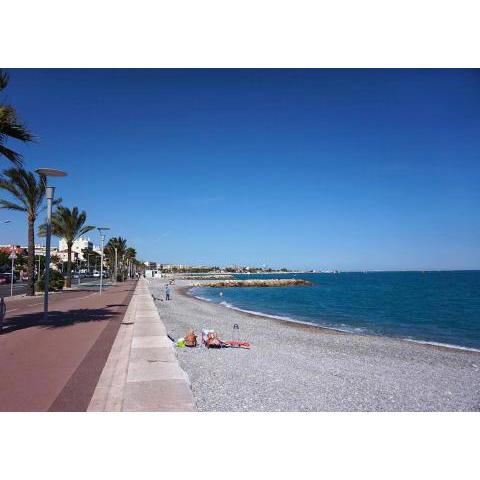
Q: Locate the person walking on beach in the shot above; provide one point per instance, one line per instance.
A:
(167, 292)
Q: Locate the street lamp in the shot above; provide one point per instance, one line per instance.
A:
(13, 256)
(79, 268)
(49, 193)
(102, 238)
(116, 255)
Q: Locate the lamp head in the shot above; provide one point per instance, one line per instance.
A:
(51, 172)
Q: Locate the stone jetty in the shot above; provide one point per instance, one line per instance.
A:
(273, 282)
(205, 277)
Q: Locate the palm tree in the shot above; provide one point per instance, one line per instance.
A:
(29, 192)
(70, 225)
(118, 243)
(10, 127)
(130, 254)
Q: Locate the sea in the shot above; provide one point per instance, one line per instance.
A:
(439, 307)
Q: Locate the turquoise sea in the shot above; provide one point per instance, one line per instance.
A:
(433, 307)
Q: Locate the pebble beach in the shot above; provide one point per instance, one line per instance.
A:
(298, 367)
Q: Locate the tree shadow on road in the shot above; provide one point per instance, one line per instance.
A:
(58, 319)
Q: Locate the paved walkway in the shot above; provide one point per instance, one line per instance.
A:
(56, 365)
(142, 372)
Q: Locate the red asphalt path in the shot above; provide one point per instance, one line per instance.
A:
(56, 366)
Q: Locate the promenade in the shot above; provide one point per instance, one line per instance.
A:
(62, 364)
(56, 366)
(142, 372)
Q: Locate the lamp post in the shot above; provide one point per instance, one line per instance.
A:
(102, 239)
(49, 193)
(13, 256)
(116, 254)
(39, 269)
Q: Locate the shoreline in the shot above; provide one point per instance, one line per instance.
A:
(186, 290)
(294, 366)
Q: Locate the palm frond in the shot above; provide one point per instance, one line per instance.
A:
(3, 79)
(14, 157)
(25, 188)
(7, 185)
(86, 229)
(10, 126)
(42, 230)
(69, 223)
(12, 206)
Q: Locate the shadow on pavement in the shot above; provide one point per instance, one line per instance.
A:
(57, 319)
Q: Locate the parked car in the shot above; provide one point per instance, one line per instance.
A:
(76, 275)
(6, 277)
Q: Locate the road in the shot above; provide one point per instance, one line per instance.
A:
(55, 366)
(19, 288)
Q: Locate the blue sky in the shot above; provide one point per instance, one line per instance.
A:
(347, 169)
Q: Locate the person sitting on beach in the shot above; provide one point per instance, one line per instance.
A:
(167, 292)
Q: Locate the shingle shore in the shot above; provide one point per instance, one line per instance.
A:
(300, 368)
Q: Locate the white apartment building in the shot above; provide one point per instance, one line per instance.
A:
(41, 250)
(77, 247)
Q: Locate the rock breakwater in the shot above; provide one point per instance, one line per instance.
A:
(273, 282)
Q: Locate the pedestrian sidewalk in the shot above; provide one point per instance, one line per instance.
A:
(142, 372)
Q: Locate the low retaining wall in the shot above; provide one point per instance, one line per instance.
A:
(142, 372)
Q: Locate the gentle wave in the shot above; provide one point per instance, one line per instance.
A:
(253, 312)
(343, 329)
(261, 314)
(446, 345)
(203, 298)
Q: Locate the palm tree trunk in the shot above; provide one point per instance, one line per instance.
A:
(68, 278)
(31, 257)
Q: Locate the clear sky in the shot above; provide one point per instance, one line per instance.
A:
(347, 169)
